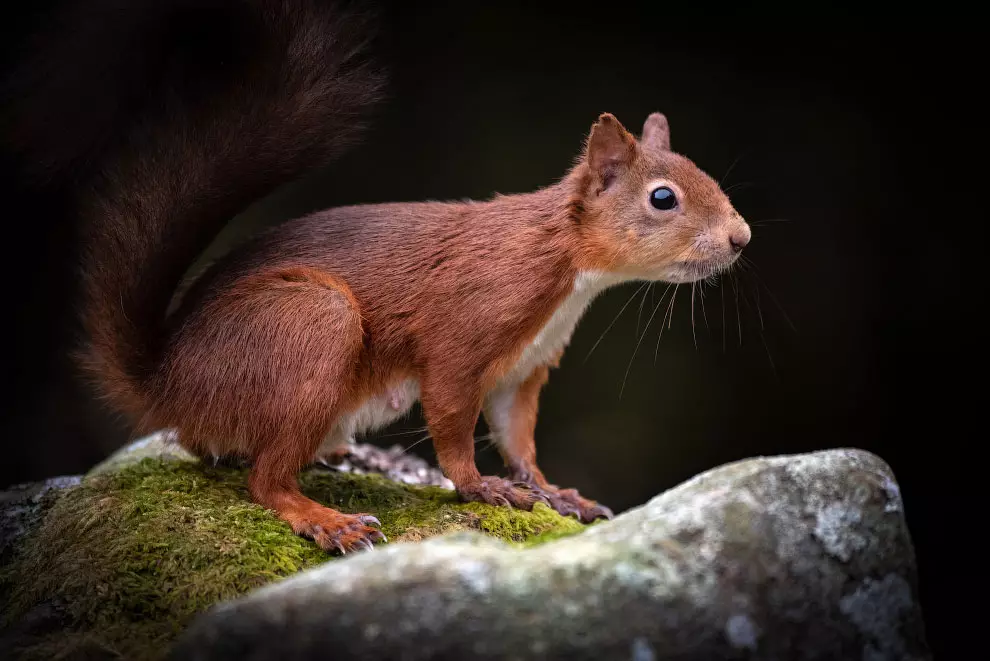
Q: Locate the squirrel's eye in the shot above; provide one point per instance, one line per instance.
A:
(663, 198)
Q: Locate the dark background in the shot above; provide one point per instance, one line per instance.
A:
(851, 151)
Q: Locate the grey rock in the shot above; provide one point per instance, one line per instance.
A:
(394, 463)
(22, 506)
(791, 557)
(159, 445)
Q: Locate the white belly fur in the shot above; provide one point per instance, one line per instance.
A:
(385, 408)
(374, 413)
(556, 333)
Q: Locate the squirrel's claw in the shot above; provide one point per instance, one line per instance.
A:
(567, 502)
(500, 492)
(598, 511)
(369, 520)
(340, 533)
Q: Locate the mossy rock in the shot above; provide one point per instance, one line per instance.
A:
(123, 560)
(802, 557)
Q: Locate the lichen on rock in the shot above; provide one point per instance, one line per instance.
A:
(151, 537)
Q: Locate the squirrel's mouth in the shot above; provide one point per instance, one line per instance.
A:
(683, 272)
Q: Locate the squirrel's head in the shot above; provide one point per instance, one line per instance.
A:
(652, 213)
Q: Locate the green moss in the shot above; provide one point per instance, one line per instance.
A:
(130, 556)
(527, 528)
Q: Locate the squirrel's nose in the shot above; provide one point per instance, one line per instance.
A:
(739, 238)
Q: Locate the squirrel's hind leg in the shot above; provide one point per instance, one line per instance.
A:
(317, 325)
(271, 360)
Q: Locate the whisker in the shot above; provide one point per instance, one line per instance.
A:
(602, 336)
(759, 311)
(670, 313)
(763, 338)
(417, 443)
(673, 298)
(489, 437)
(491, 443)
(642, 302)
(648, 322)
(704, 314)
(735, 290)
(727, 172)
(761, 281)
(773, 367)
(419, 430)
(693, 336)
(741, 183)
(722, 289)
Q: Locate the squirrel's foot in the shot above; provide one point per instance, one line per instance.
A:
(502, 492)
(569, 501)
(336, 532)
(564, 501)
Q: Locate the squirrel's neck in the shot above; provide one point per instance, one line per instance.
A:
(560, 204)
(555, 220)
(560, 213)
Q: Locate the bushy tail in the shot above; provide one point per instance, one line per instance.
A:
(232, 98)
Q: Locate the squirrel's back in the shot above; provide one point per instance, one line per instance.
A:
(192, 110)
(417, 270)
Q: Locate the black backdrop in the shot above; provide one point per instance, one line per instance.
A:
(849, 150)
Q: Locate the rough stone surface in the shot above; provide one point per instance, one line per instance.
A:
(791, 557)
(393, 463)
(22, 506)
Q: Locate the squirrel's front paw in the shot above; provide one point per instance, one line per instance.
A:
(569, 501)
(563, 501)
(502, 492)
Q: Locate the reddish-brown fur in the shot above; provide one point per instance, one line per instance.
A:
(307, 321)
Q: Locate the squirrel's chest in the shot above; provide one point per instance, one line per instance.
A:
(556, 333)
(383, 408)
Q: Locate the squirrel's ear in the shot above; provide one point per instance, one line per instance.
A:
(656, 132)
(611, 148)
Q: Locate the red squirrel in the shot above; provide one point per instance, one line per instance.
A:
(336, 323)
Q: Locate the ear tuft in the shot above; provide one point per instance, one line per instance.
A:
(611, 149)
(656, 132)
